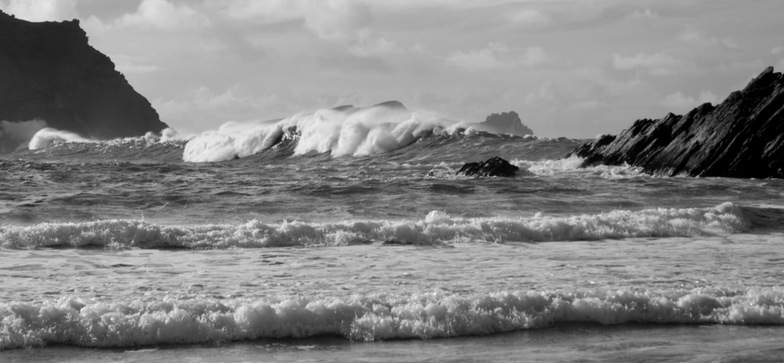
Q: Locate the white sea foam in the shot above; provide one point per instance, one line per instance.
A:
(46, 136)
(437, 227)
(339, 131)
(573, 164)
(72, 321)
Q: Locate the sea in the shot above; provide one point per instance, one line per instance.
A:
(339, 235)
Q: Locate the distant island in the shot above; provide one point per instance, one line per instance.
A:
(51, 77)
(741, 137)
(504, 123)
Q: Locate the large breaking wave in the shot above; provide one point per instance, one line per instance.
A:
(339, 131)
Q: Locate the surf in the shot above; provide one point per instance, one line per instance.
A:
(428, 315)
(434, 229)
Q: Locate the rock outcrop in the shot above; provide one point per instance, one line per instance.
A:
(49, 72)
(494, 166)
(741, 137)
(504, 123)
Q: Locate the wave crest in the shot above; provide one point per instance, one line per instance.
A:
(72, 321)
(437, 227)
(345, 130)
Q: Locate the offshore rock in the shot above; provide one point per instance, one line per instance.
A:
(50, 74)
(504, 123)
(494, 166)
(741, 137)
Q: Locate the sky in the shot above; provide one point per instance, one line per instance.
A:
(574, 68)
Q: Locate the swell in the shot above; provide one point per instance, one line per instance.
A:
(436, 228)
(71, 321)
(457, 146)
(146, 149)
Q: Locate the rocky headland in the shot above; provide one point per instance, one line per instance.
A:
(742, 137)
(50, 76)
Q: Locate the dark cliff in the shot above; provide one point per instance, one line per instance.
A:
(741, 137)
(48, 71)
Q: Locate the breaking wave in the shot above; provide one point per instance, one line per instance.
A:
(346, 130)
(47, 136)
(71, 321)
(437, 227)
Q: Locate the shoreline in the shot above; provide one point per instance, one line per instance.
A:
(561, 342)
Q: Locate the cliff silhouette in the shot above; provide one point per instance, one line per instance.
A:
(741, 137)
(49, 72)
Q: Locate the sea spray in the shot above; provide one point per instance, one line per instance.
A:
(339, 131)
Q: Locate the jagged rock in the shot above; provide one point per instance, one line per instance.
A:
(49, 72)
(741, 137)
(494, 166)
(504, 123)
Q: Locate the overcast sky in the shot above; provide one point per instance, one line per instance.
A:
(574, 68)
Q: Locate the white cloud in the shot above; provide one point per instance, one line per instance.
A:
(528, 18)
(646, 13)
(42, 10)
(497, 56)
(369, 46)
(777, 50)
(692, 36)
(335, 20)
(678, 102)
(133, 65)
(656, 64)
(162, 14)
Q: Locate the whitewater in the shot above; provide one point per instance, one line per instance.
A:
(346, 233)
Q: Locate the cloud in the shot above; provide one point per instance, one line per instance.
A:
(337, 19)
(777, 50)
(645, 13)
(162, 14)
(695, 37)
(497, 56)
(133, 65)
(334, 20)
(42, 10)
(527, 18)
(546, 93)
(606, 83)
(371, 46)
(678, 102)
(657, 64)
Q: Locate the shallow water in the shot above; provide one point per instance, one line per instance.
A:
(560, 343)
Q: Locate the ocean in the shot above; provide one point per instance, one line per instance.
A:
(298, 247)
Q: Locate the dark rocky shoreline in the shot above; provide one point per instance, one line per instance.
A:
(741, 137)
